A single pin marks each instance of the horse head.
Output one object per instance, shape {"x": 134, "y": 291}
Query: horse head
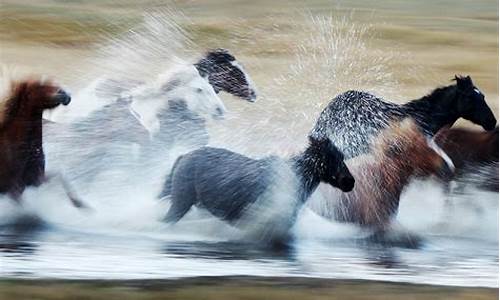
{"x": 471, "y": 104}
{"x": 42, "y": 94}
{"x": 226, "y": 74}
{"x": 196, "y": 93}
{"x": 331, "y": 167}
{"x": 180, "y": 88}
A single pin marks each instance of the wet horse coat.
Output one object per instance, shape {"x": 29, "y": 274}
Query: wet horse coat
{"x": 181, "y": 100}
{"x": 399, "y": 153}
{"x": 263, "y": 194}
{"x": 474, "y": 153}
{"x": 108, "y": 138}
{"x": 22, "y": 159}
{"x": 354, "y": 118}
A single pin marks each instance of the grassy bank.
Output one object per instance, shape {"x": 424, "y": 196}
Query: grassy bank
{"x": 221, "y": 288}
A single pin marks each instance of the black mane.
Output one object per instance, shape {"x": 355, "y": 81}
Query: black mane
{"x": 225, "y": 74}
{"x": 208, "y": 64}
{"x": 435, "y": 110}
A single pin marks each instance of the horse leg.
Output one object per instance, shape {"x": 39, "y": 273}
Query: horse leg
{"x": 396, "y": 236}
{"x": 16, "y": 196}
{"x": 73, "y": 198}
{"x": 182, "y": 198}
{"x": 167, "y": 186}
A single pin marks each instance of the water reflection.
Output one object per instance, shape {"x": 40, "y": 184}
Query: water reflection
{"x": 229, "y": 250}
{"x": 19, "y": 238}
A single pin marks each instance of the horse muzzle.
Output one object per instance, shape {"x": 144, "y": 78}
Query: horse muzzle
{"x": 63, "y": 97}
{"x": 346, "y": 183}
{"x": 251, "y": 97}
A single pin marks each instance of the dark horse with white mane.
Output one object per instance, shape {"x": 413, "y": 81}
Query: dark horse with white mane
{"x": 22, "y": 159}
{"x": 354, "y": 118}
{"x": 260, "y": 196}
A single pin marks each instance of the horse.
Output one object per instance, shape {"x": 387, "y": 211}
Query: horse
{"x": 354, "y": 118}
{"x": 398, "y": 154}
{"x": 473, "y": 153}
{"x": 147, "y": 118}
{"x": 21, "y": 151}
{"x": 261, "y": 196}
{"x": 110, "y": 135}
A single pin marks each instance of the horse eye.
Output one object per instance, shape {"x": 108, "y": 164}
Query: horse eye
{"x": 477, "y": 91}
{"x": 199, "y": 90}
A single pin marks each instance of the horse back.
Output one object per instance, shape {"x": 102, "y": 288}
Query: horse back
{"x": 352, "y": 119}
{"x": 225, "y": 182}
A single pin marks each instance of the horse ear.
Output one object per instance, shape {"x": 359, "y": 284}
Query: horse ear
{"x": 463, "y": 82}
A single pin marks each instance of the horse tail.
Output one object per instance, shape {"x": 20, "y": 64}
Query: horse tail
{"x": 167, "y": 186}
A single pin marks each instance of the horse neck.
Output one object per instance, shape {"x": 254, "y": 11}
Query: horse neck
{"x": 435, "y": 110}
{"x": 305, "y": 166}
{"x": 25, "y": 126}
{"x": 177, "y": 110}
{"x": 391, "y": 175}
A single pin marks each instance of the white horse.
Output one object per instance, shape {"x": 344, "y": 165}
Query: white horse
{"x": 112, "y": 136}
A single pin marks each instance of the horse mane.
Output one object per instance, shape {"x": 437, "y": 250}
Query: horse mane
{"x": 438, "y": 92}
{"x": 7, "y": 88}
{"x": 211, "y": 59}
{"x": 9, "y": 98}
{"x": 12, "y": 85}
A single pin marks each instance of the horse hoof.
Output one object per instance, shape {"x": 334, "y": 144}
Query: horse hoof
{"x": 81, "y": 205}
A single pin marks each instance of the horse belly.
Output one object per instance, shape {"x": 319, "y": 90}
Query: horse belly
{"x": 275, "y": 211}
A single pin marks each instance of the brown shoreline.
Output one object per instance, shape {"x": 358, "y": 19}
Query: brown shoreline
{"x": 234, "y": 287}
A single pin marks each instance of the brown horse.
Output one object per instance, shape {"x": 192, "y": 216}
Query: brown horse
{"x": 399, "y": 153}
{"x": 22, "y": 161}
{"x": 472, "y": 152}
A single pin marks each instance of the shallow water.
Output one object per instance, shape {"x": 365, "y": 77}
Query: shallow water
{"x": 121, "y": 237}
{"x": 460, "y": 246}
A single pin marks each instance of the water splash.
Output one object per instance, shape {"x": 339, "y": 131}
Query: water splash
{"x": 333, "y": 54}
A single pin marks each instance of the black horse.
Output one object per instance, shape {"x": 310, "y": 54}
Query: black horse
{"x": 353, "y": 118}
{"x": 259, "y": 195}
